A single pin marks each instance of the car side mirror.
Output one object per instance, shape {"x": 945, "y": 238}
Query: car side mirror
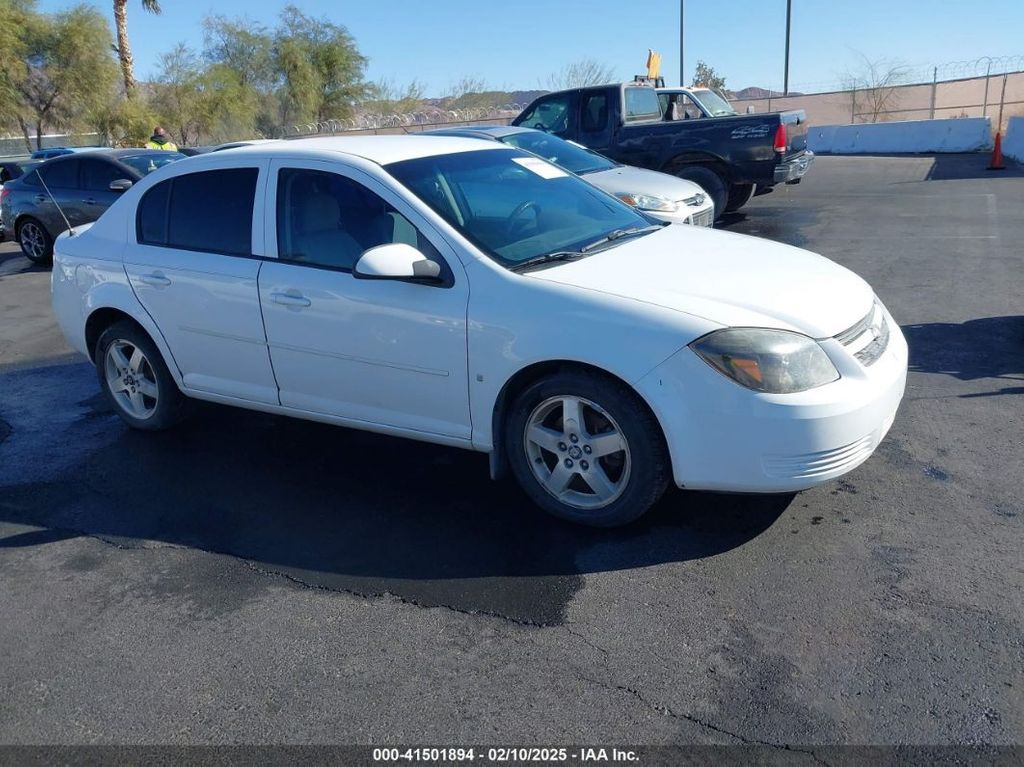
{"x": 396, "y": 261}
{"x": 120, "y": 185}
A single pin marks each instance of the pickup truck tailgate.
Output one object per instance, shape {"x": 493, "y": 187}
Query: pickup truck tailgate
{"x": 795, "y": 121}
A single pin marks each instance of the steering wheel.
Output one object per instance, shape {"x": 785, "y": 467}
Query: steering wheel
{"x": 514, "y": 218}
{"x": 540, "y": 126}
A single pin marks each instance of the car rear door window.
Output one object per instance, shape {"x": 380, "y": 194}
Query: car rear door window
{"x": 97, "y": 175}
{"x": 209, "y": 211}
{"x": 61, "y": 175}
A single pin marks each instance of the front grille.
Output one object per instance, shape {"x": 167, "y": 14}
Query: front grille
{"x": 811, "y": 465}
{"x": 705, "y": 218}
{"x": 869, "y": 336}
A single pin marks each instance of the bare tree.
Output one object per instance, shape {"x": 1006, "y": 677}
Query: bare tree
{"x": 875, "y": 85}
{"x": 580, "y": 74}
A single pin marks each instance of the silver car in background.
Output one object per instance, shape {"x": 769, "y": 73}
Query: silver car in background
{"x": 658, "y": 194}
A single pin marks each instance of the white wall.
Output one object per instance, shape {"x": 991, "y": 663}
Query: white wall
{"x": 966, "y": 134}
{"x": 1013, "y": 141}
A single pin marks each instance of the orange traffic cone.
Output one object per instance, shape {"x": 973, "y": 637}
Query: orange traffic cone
{"x": 997, "y": 154}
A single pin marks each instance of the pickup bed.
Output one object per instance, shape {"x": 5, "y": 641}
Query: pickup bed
{"x": 636, "y": 125}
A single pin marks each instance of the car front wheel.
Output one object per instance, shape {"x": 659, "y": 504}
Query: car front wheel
{"x": 135, "y": 379}
{"x": 586, "y": 449}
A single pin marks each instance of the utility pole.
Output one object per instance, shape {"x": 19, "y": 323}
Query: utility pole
{"x": 682, "y": 60}
{"x": 785, "y": 82}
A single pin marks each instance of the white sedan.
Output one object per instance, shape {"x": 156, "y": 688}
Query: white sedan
{"x": 471, "y": 294}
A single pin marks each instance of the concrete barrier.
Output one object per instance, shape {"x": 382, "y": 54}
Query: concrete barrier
{"x": 965, "y": 134}
{"x": 1013, "y": 141}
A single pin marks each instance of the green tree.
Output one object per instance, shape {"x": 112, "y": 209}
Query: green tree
{"x": 124, "y": 48}
{"x": 66, "y": 74}
{"x": 239, "y": 53}
{"x": 15, "y": 16}
{"x": 706, "y": 77}
{"x": 320, "y": 66}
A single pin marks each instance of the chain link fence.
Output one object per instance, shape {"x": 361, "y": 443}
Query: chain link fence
{"x": 405, "y": 122}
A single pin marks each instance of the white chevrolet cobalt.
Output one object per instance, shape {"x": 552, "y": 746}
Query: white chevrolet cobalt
{"x": 471, "y": 294}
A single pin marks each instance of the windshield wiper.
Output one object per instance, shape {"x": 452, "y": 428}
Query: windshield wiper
{"x": 547, "y": 258}
{"x": 620, "y": 234}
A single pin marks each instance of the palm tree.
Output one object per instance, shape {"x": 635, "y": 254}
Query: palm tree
{"x": 124, "y": 49}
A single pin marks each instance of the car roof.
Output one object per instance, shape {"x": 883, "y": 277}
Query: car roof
{"x": 113, "y": 154}
{"x": 382, "y": 150}
{"x": 482, "y": 131}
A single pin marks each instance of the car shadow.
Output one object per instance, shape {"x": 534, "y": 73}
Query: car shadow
{"x": 354, "y": 511}
{"x": 988, "y": 347}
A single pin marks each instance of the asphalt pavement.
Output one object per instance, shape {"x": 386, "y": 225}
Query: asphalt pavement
{"x": 249, "y": 578}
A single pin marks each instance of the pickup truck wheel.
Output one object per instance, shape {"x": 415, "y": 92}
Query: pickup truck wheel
{"x": 739, "y": 195}
{"x": 36, "y": 243}
{"x": 586, "y": 449}
{"x": 136, "y": 380}
{"x": 712, "y": 184}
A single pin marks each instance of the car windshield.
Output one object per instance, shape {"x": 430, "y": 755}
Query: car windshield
{"x": 515, "y": 206}
{"x": 151, "y": 161}
{"x": 560, "y": 152}
{"x": 713, "y": 104}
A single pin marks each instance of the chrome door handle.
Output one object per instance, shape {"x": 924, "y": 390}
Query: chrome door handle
{"x": 156, "y": 280}
{"x": 42, "y": 198}
{"x": 89, "y": 201}
{"x": 289, "y": 299}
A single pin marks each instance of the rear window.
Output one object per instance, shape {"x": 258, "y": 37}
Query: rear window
{"x": 209, "y": 211}
{"x": 641, "y": 104}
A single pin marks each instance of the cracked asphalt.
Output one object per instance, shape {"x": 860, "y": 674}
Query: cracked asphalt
{"x": 247, "y": 578}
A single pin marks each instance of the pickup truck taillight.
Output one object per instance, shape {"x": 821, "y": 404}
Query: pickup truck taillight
{"x": 781, "y": 139}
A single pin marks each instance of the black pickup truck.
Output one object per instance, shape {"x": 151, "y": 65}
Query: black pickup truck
{"x": 726, "y": 155}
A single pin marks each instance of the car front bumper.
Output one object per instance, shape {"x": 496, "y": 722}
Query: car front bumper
{"x": 791, "y": 171}
{"x": 722, "y": 436}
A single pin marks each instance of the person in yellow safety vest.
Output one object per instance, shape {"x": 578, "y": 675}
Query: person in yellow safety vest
{"x": 160, "y": 140}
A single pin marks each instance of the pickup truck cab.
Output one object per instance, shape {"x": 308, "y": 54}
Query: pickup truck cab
{"x": 693, "y": 104}
{"x": 727, "y": 155}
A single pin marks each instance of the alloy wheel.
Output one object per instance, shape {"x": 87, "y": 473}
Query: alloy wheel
{"x": 577, "y": 452}
{"x": 33, "y": 239}
{"x": 131, "y": 379}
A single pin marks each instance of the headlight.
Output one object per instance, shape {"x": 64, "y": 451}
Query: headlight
{"x": 649, "y": 202}
{"x": 696, "y": 201}
{"x": 773, "y": 361}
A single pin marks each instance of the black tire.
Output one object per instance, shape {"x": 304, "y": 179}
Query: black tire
{"x": 640, "y": 472}
{"x": 167, "y": 404}
{"x": 35, "y": 241}
{"x": 739, "y": 195}
{"x": 710, "y": 181}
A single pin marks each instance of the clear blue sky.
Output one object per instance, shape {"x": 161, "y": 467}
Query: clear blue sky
{"x": 517, "y": 44}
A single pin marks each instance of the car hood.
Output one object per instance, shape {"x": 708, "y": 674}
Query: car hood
{"x": 628, "y": 180}
{"x": 731, "y": 279}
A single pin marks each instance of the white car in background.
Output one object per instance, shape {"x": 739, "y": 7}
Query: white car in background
{"x": 660, "y": 195}
{"x": 404, "y": 285}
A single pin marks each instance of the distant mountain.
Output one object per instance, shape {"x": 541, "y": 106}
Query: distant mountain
{"x": 753, "y": 92}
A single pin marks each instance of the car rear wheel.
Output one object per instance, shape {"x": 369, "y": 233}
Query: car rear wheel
{"x": 586, "y": 449}
{"x": 36, "y": 243}
{"x": 136, "y": 380}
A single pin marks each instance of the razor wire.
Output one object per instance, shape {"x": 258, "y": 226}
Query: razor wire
{"x": 363, "y": 121}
